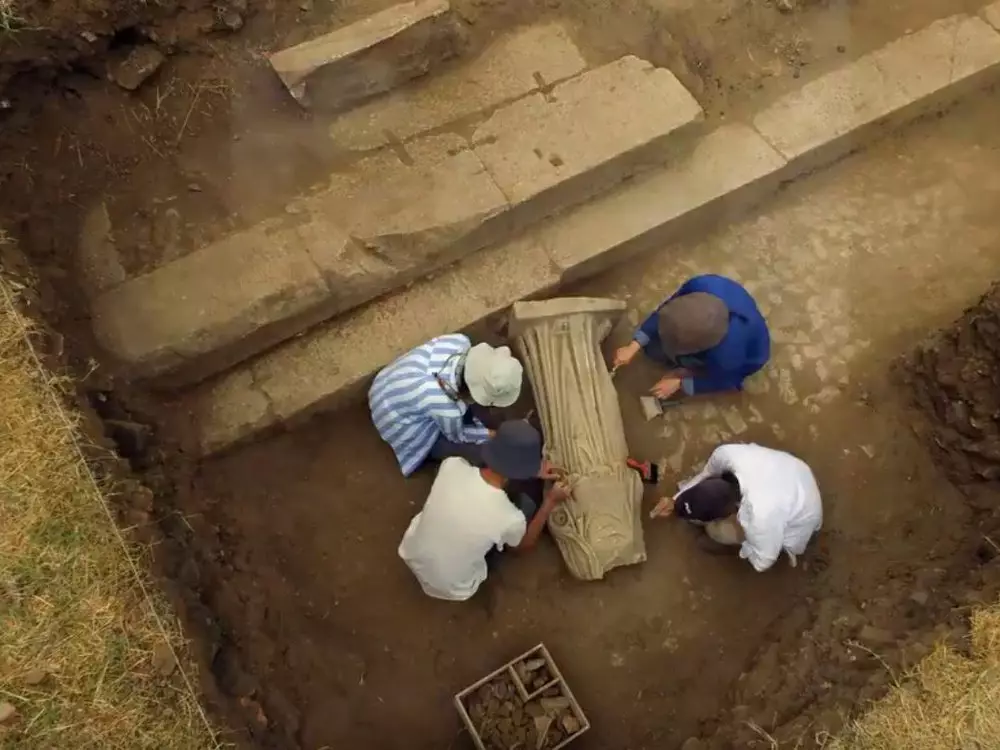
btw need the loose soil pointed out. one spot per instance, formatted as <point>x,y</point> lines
<point>281,557</point>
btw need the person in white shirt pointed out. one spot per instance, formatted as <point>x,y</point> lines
<point>468,513</point>
<point>760,499</point>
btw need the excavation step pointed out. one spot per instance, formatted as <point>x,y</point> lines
<point>729,169</point>
<point>353,63</point>
<point>521,62</point>
<point>393,218</point>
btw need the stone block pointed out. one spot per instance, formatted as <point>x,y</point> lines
<point>236,293</point>
<point>559,147</point>
<point>335,361</point>
<point>726,170</point>
<point>404,220</point>
<point>992,15</point>
<point>919,73</point>
<point>346,66</point>
<point>515,65</point>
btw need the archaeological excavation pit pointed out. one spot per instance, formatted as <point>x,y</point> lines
<point>222,268</point>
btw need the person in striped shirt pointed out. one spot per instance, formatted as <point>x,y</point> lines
<point>433,402</point>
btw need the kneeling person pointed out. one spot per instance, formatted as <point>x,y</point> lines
<point>468,513</point>
<point>761,499</point>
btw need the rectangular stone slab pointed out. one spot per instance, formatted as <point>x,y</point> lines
<point>348,65</point>
<point>518,63</point>
<point>569,143</point>
<point>919,73</point>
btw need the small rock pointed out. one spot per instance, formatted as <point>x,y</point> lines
<point>919,597</point>
<point>693,743</point>
<point>35,677</point>
<point>305,5</point>
<point>570,724</point>
<point>231,19</point>
<point>7,712</point>
<point>140,64</point>
<point>132,438</point>
<point>163,659</point>
<point>194,187</point>
<point>876,636</point>
<point>785,6</point>
<point>88,36</point>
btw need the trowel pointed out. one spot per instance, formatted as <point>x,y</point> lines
<point>652,407</point>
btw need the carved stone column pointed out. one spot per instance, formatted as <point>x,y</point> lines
<point>599,527</point>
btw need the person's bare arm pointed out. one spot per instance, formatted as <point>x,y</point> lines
<point>555,495</point>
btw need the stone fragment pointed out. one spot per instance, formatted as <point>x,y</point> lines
<point>346,66</point>
<point>163,659</point>
<point>7,712</point>
<point>97,258</point>
<point>140,63</point>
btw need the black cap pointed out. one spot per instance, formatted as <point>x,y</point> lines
<point>515,452</point>
<point>711,499</point>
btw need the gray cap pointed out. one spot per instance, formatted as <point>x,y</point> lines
<point>692,323</point>
<point>515,451</point>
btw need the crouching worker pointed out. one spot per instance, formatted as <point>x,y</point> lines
<point>761,500</point>
<point>468,513</point>
<point>434,401</point>
<point>709,335</point>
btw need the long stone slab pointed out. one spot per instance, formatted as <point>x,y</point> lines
<point>919,73</point>
<point>729,169</point>
<point>516,64</point>
<point>391,219</point>
<point>353,63</point>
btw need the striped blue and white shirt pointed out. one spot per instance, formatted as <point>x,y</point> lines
<point>411,409</point>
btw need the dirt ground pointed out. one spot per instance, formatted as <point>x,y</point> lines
<point>290,544</point>
<point>282,556</point>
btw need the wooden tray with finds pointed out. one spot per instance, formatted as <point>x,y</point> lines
<point>524,705</point>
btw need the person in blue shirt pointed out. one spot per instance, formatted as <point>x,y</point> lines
<point>709,335</point>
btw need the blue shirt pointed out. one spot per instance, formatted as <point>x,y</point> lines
<point>744,350</point>
<point>411,410</point>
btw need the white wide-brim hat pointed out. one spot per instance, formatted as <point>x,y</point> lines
<point>493,375</point>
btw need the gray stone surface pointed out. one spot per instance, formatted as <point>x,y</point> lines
<point>233,293</point>
<point>509,68</point>
<point>726,169</point>
<point>918,73</point>
<point>346,66</point>
<point>586,134</point>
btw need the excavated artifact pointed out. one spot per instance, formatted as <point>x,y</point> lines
<point>599,527</point>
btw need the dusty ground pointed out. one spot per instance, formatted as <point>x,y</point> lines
<point>290,544</point>
<point>316,633</point>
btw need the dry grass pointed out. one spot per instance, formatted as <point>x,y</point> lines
<point>84,654</point>
<point>949,702</point>
<point>10,21</point>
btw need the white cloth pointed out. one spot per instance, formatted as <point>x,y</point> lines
<point>446,543</point>
<point>780,507</point>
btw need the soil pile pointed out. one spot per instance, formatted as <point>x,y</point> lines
<point>955,378</point>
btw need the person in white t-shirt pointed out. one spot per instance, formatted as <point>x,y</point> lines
<point>468,513</point>
<point>759,499</point>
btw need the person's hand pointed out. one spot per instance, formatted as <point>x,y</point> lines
<point>558,493</point>
<point>666,387</point>
<point>550,471</point>
<point>625,354</point>
<point>663,509</point>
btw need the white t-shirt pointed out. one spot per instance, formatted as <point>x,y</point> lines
<point>446,543</point>
<point>780,506</point>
